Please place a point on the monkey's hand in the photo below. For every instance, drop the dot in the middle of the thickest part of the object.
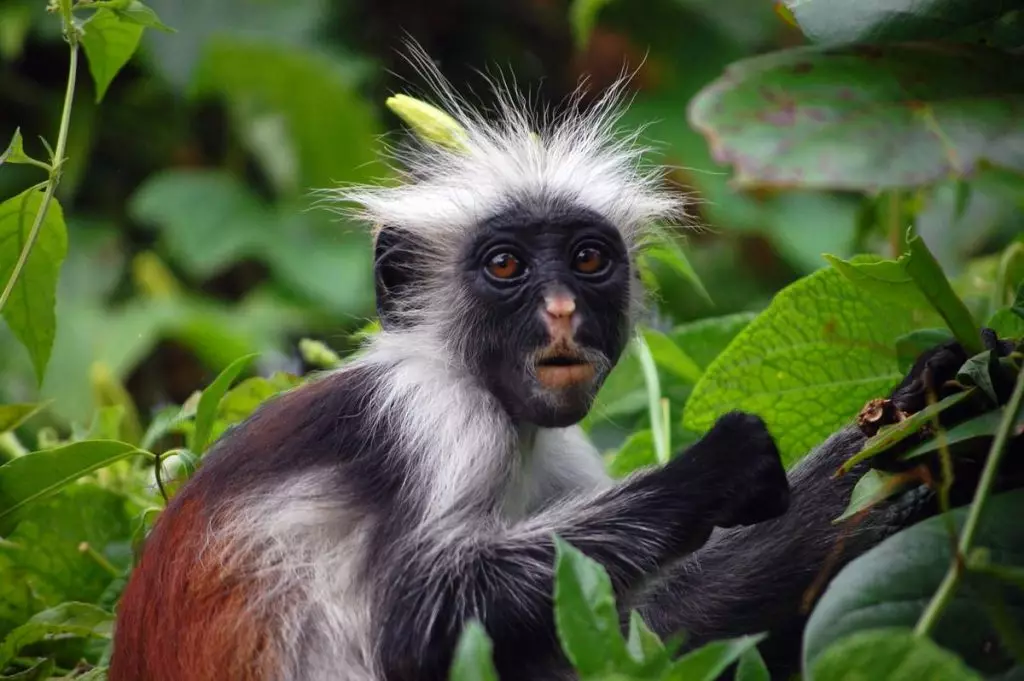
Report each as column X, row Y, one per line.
column 932, row 377
column 935, row 372
column 743, row 468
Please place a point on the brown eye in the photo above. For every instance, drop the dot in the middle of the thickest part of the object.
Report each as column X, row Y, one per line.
column 504, row 266
column 589, row 261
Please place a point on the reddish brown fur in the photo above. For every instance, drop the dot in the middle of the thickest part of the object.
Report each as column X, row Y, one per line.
column 182, row 619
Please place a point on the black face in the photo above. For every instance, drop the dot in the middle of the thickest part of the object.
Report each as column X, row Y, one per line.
column 549, row 294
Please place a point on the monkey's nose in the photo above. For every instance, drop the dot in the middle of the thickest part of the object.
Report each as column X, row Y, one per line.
column 559, row 316
column 559, row 305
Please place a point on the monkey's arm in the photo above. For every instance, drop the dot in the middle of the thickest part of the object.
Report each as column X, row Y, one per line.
column 754, row 579
column 504, row 576
column 750, row 580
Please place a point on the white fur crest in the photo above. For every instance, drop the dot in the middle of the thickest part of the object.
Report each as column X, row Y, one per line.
column 576, row 156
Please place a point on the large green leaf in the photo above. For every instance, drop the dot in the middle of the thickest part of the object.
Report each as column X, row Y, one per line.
column 873, row 21
column 891, row 585
column 43, row 562
column 29, row 310
column 864, row 117
column 334, row 130
column 585, row 615
column 892, row 654
column 109, row 42
column 68, row 619
column 672, row 31
column 812, row 359
column 38, row 475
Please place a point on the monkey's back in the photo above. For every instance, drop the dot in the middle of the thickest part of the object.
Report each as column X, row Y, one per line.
column 235, row 566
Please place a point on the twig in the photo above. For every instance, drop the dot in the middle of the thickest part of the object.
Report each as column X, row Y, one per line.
column 954, row 574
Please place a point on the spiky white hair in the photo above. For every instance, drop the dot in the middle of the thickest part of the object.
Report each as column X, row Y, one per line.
column 575, row 156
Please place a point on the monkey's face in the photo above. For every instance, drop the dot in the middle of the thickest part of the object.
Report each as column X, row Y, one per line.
column 544, row 300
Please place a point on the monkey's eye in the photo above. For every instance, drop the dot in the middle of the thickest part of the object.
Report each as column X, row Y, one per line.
column 504, row 266
column 590, row 260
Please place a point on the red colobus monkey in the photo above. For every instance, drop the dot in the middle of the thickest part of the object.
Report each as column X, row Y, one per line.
column 350, row 527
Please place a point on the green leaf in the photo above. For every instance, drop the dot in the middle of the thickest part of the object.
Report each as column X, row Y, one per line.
column 811, row 360
column 919, row 267
column 109, row 42
column 635, row 453
column 29, row 311
column 873, row 487
column 38, row 475
column 138, row 13
column 583, row 18
column 15, row 152
column 890, row 586
column 43, row 558
column 1018, row 302
column 241, row 401
column 670, row 356
column 37, row 672
column 752, row 667
column 978, row 371
column 981, row 427
column 207, row 218
column 915, row 343
column 94, row 674
column 864, row 117
column 585, row 615
column 709, row 661
column 875, row 21
column 892, row 654
column 210, row 400
column 922, row 266
column 644, row 645
column 13, row 415
column 473, row 655
column 704, row 339
column 668, row 252
column 333, row 128
column 76, row 619
column 891, row 435
column 1007, row 323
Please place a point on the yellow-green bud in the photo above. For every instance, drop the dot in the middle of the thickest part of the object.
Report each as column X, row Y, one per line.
column 428, row 122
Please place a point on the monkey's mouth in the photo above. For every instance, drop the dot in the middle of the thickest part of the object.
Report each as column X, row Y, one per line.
column 562, row 370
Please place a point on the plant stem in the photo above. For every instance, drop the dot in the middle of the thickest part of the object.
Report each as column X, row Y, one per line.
column 57, row 162
column 894, row 222
column 988, row 476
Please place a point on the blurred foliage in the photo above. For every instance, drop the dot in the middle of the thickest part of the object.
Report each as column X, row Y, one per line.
column 190, row 231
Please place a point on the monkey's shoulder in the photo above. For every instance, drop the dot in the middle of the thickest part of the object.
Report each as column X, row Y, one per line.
column 325, row 425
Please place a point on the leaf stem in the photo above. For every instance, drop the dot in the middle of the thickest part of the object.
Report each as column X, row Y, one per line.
column 956, row 569
column 894, row 222
column 57, row 160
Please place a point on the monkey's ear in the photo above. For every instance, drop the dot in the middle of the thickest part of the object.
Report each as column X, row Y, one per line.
column 395, row 273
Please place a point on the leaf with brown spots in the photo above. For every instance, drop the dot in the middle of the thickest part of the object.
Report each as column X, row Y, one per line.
column 865, row 117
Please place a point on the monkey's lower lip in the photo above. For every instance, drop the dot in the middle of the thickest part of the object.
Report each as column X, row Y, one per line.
column 562, row 375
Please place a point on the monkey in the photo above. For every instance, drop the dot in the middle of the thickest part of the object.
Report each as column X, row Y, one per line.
column 350, row 527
